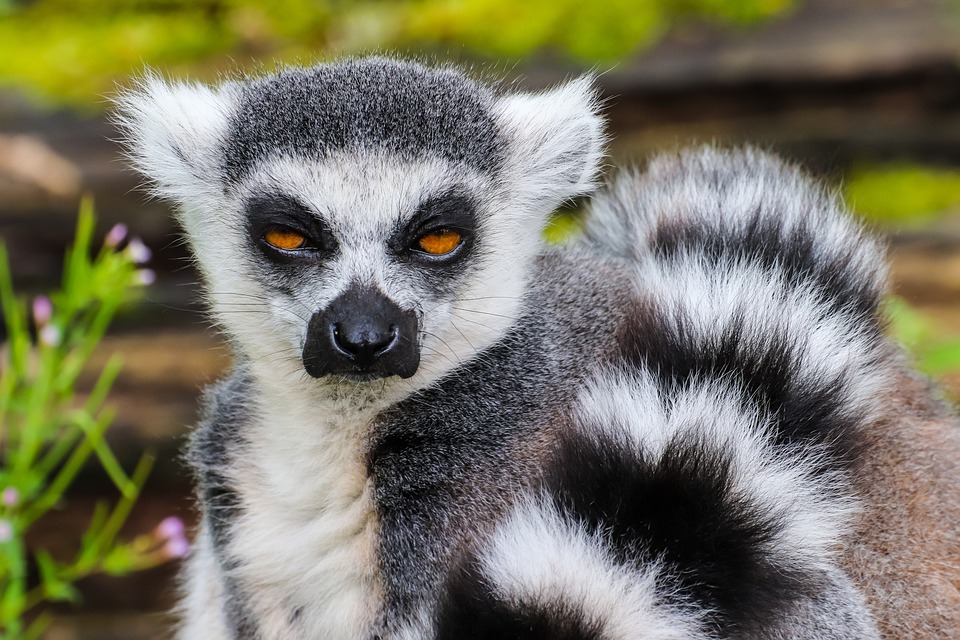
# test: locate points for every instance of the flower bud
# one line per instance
(170, 527)
(177, 547)
(140, 253)
(115, 236)
(10, 497)
(42, 310)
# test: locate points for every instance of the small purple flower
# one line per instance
(146, 276)
(171, 527)
(10, 497)
(172, 533)
(140, 252)
(42, 310)
(6, 530)
(177, 547)
(115, 236)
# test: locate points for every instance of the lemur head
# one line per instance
(364, 219)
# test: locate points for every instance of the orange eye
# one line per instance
(285, 239)
(439, 243)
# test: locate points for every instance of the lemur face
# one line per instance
(371, 263)
(367, 219)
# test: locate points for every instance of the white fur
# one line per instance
(707, 298)
(813, 516)
(537, 558)
(306, 537)
(556, 142)
(202, 608)
(175, 130)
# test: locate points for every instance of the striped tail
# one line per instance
(701, 487)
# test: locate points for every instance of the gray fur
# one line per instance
(311, 112)
(836, 611)
(472, 437)
(214, 445)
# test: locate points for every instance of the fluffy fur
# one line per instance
(665, 431)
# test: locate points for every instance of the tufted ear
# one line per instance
(173, 133)
(556, 141)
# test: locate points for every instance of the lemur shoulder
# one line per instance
(689, 423)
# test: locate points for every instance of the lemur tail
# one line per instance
(728, 205)
(702, 486)
(750, 274)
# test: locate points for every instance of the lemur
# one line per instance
(686, 423)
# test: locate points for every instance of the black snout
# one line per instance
(365, 340)
(362, 334)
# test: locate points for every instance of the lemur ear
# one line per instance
(556, 141)
(173, 133)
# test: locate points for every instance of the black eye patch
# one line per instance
(446, 212)
(271, 213)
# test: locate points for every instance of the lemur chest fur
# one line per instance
(303, 543)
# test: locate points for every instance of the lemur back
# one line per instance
(680, 426)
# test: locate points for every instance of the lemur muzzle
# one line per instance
(362, 334)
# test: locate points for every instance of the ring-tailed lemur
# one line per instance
(685, 425)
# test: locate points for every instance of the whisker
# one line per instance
(485, 313)
(444, 342)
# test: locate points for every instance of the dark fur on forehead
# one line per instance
(402, 107)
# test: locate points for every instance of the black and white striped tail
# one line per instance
(700, 489)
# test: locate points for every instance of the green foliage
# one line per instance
(937, 352)
(588, 32)
(903, 194)
(75, 51)
(48, 431)
(564, 226)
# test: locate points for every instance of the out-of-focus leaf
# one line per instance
(903, 194)
(944, 358)
(937, 352)
(563, 226)
(55, 589)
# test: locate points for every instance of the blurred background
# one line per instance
(865, 93)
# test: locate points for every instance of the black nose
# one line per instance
(362, 334)
(364, 339)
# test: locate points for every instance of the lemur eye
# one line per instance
(440, 242)
(285, 239)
